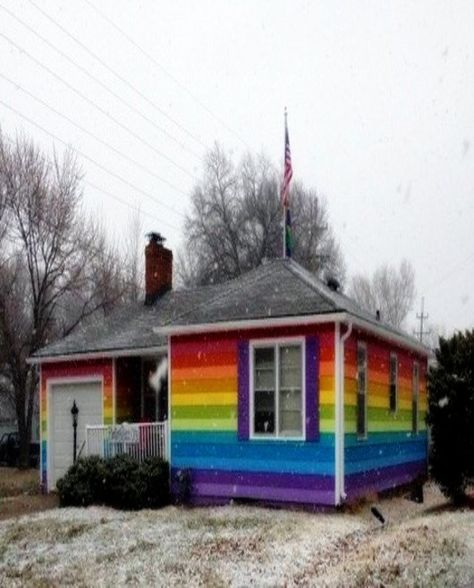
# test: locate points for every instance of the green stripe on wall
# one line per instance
(207, 425)
(204, 412)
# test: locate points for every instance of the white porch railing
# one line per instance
(140, 440)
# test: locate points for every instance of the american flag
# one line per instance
(288, 171)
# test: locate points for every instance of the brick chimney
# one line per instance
(158, 268)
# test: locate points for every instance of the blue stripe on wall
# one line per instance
(269, 451)
(355, 467)
(351, 439)
(325, 439)
(370, 452)
(254, 465)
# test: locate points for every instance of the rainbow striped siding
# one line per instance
(391, 455)
(74, 370)
(205, 436)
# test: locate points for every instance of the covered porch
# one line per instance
(121, 403)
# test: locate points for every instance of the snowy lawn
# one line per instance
(423, 545)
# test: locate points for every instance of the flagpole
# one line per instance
(284, 205)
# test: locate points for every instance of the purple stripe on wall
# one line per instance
(295, 488)
(243, 384)
(306, 481)
(312, 388)
(384, 478)
(312, 489)
(295, 495)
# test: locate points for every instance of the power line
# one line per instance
(122, 79)
(50, 224)
(86, 72)
(91, 160)
(83, 129)
(95, 105)
(166, 72)
(131, 206)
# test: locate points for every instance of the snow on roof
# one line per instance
(276, 289)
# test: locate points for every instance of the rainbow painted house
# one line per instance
(273, 387)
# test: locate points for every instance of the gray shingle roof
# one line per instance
(278, 288)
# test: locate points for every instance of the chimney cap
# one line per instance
(156, 237)
(333, 283)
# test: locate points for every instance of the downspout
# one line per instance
(341, 389)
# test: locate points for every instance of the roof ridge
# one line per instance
(309, 279)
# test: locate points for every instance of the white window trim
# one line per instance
(276, 342)
(362, 436)
(415, 391)
(393, 354)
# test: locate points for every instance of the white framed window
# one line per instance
(361, 390)
(393, 383)
(415, 397)
(277, 391)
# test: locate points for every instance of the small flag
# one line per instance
(288, 234)
(288, 170)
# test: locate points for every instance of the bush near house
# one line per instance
(451, 415)
(120, 482)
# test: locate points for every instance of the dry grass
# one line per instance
(20, 493)
(241, 546)
(14, 482)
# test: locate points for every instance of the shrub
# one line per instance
(125, 485)
(120, 482)
(451, 415)
(154, 473)
(84, 483)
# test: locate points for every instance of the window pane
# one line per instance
(360, 415)
(415, 393)
(265, 368)
(393, 383)
(290, 367)
(264, 406)
(264, 358)
(291, 413)
(290, 356)
(361, 390)
(290, 399)
(264, 396)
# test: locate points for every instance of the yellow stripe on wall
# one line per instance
(204, 398)
(203, 385)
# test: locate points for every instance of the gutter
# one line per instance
(378, 330)
(237, 325)
(138, 352)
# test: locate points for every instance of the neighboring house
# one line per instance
(279, 387)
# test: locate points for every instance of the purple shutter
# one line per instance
(244, 393)
(312, 388)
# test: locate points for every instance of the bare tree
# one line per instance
(390, 290)
(53, 266)
(236, 221)
(134, 259)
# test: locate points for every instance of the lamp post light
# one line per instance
(74, 412)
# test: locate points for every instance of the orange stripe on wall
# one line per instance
(198, 372)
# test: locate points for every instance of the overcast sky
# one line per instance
(381, 114)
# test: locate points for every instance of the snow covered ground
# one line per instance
(422, 545)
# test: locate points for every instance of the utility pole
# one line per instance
(422, 317)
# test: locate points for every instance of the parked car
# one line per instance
(10, 451)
